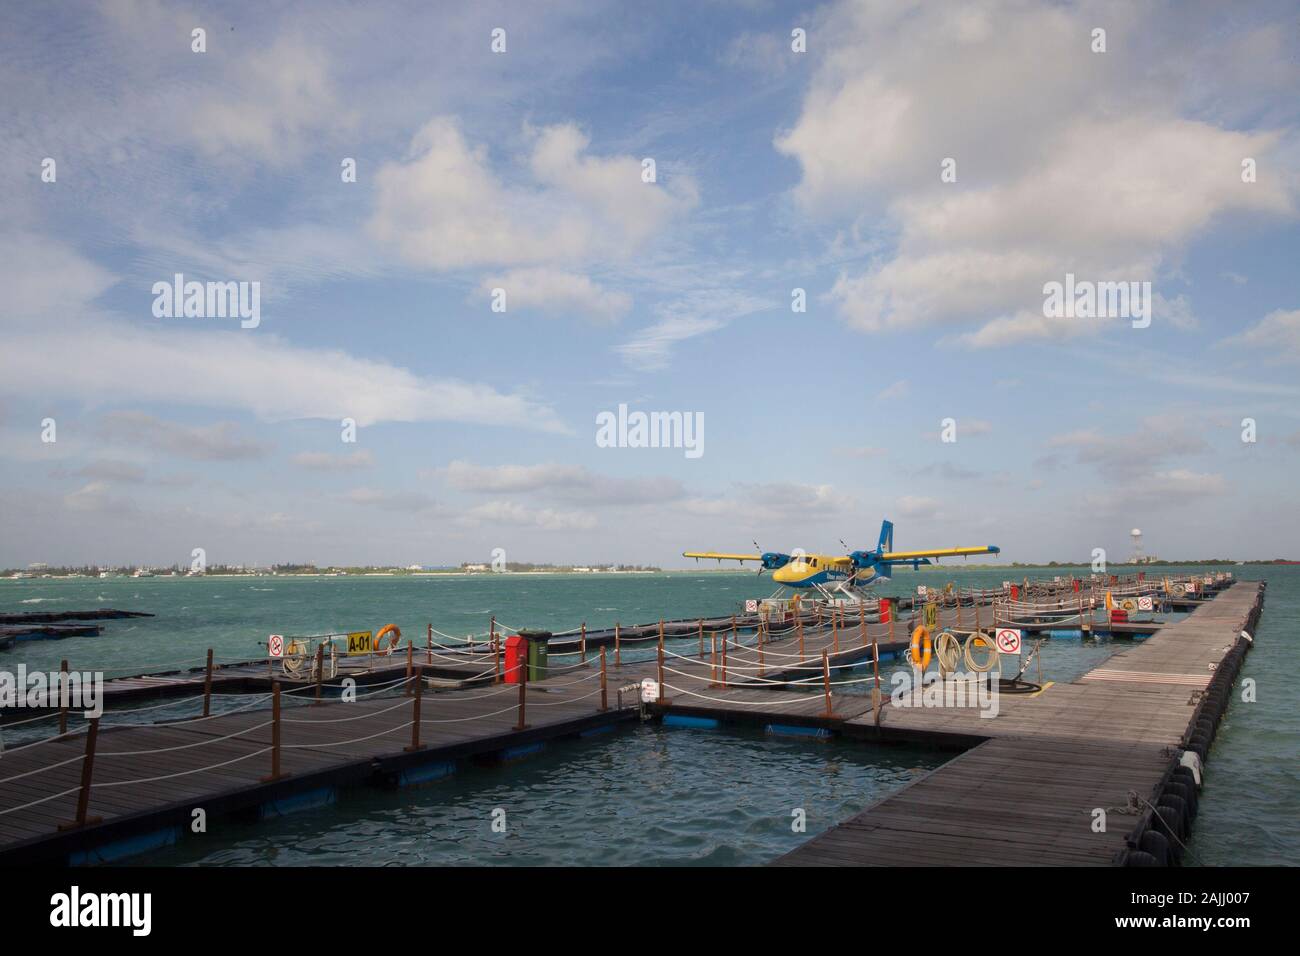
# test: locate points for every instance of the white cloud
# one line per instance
(1278, 333)
(444, 207)
(59, 338)
(512, 514)
(570, 482)
(697, 312)
(552, 290)
(219, 442)
(324, 461)
(1089, 169)
(897, 390)
(401, 501)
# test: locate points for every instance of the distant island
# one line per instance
(289, 570)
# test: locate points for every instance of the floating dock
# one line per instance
(1024, 790)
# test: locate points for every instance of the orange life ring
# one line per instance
(920, 648)
(393, 641)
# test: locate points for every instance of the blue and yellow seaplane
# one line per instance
(842, 572)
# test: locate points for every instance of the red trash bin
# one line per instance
(516, 658)
(885, 610)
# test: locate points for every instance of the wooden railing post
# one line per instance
(582, 644)
(207, 686)
(87, 773)
(826, 681)
(275, 733)
(320, 668)
(799, 626)
(604, 692)
(661, 661)
(410, 664)
(875, 693)
(724, 663)
(835, 630)
(415, 717)
(713, 659)
(63, 697)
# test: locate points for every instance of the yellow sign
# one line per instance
(931, 616)
(360, 642)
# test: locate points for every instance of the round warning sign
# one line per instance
(1144, 604)
(751, 607)
(275, 645)
(1008, 640)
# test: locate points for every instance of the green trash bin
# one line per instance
(536, 653)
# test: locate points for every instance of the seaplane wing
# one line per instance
(721, 556)
(938, 553)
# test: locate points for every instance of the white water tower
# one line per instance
(1136, 534)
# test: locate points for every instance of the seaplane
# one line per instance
(841, 576)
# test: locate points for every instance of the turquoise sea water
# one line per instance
(642, 794)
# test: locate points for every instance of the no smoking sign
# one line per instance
(1008, 640)
(275, 645)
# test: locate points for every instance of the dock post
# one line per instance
(415, 718)
(862, 625)
(87, 771)
(582, 643)
(410, 664)
(63, 697)
(618, 653)
(724, 663)
(275, 734)
(604, 692)
(713, 659)
(875, 692)
(661, 661)
(320, 668)
(428, 644)
(207, 686)
(826, 681)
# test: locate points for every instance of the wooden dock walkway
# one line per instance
(1028, 793)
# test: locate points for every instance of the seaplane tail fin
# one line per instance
(886, 536)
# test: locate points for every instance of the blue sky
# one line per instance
(521, 170)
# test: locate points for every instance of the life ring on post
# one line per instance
(920, 650)
(394, 635)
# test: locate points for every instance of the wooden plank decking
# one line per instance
(1027, 794)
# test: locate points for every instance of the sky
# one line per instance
(645, 187)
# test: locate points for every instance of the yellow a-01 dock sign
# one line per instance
(931, 615)
(360, 642)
